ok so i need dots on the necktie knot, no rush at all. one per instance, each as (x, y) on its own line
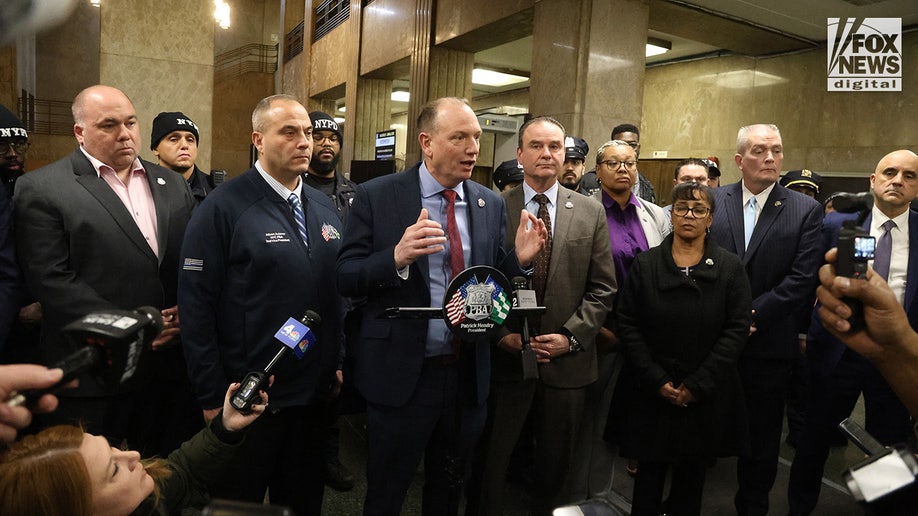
(888, 225)
(450, 195)
(542, 199)
(294, 201)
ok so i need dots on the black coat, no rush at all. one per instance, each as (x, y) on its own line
(681, 329)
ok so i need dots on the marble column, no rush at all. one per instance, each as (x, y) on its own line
(374, 113)
(449, 74)
(588, 64)
(160, 53)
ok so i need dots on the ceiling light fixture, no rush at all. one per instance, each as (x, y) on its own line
(485, 77)
(657, 46)
(222, 14)
(400, 96)
(95, 3)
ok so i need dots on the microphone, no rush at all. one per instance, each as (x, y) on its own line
(852, 202)
(110, 347)
(295, 335)
(523, 298)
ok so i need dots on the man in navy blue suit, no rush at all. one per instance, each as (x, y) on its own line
(839, 374)
(423, 398)
(775, 232)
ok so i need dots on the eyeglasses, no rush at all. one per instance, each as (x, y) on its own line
(331, 138)
(614, 164)
(696, 211)
(18, 147)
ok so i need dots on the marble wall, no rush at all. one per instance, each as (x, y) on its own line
(387, 34)
(696, 108)
(332, 57)
(161, 54)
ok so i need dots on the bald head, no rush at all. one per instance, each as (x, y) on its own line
(895, 182)
(105, 124)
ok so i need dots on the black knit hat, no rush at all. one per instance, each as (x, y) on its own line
(166, 122)
(10, 125)
(324, 122)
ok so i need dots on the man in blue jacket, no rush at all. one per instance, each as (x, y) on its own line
(260, 249)
(404, 231)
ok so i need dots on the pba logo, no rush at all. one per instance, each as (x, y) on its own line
(864, 54)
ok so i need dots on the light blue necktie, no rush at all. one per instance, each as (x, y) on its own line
(299, 216)
(749, 219)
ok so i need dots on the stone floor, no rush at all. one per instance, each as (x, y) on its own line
(719, 489)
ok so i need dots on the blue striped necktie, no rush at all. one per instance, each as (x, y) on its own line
(299, 216)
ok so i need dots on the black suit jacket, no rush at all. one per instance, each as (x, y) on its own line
(781, 262)
(80, 249)
(390, 354)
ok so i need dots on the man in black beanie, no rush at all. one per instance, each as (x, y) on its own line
(323, 168)
(174, 142)
(14, 145)
(323, 175)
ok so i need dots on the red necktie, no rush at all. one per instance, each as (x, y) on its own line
(456, 260)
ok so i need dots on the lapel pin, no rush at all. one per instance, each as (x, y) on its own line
(160, 180)
(777, 203)
(709, 262)
(480, 202)
(568, 205)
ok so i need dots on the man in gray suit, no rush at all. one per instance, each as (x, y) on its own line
(98, 230)
(576, 284)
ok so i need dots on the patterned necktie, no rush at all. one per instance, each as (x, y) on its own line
(299, 216)
(884, 250)
(749, 219)
(543, 259)
(456, 259)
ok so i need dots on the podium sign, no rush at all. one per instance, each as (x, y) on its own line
(477, 302)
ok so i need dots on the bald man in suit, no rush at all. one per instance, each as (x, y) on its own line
(578, 291)
(101, 229)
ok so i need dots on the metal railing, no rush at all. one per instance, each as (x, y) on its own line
(42, 116)
(330, 14)
(253, 57)
(293, 42)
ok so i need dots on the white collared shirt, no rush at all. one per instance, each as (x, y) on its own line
(760, 199)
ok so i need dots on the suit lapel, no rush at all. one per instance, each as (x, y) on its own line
(406, 193)
(478, 211)
(158, 187)
(562, 226)
(108, 199)
(734, 208)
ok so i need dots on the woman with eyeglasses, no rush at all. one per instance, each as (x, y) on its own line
(683, 317)
(62, 471)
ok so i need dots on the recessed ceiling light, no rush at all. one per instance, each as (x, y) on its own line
(497, 79)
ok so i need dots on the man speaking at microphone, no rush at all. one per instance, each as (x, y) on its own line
(259, 250)
(408, 235)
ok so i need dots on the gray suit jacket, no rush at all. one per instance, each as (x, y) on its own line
(80, 249)
(580, 289)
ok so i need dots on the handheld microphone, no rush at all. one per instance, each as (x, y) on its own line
(110, 347)
(523, 298)
(295, 335)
